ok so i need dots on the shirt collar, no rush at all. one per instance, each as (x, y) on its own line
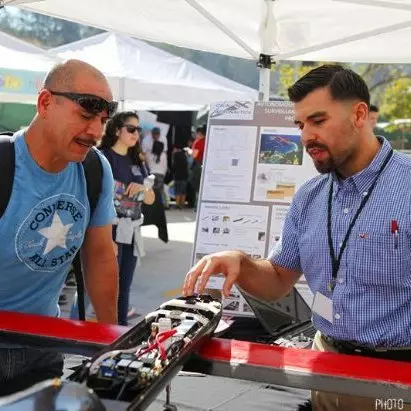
(364, 178)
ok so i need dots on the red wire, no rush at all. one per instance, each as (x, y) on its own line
(163, 336)
(160, 338)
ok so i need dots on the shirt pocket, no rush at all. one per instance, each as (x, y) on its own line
(380, 259)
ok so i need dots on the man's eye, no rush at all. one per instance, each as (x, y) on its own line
(86, 116)
(318, 122)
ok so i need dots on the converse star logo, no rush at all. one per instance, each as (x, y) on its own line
(56, 234)
(52, 233)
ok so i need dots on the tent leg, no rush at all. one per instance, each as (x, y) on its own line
(264, 65)
(264, 87)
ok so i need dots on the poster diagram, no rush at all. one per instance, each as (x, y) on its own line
(234, 304)
(282, 166)
(278, 215)
(230, 157)
(232, 227)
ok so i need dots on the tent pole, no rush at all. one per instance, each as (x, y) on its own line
(264, 66)
(266, 58)
(222, 27)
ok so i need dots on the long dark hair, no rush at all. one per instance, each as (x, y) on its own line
(157, 150)
(110, 135)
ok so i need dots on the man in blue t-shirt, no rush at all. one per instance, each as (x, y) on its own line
(48, 216)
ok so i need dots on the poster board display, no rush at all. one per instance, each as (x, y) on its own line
(253, 165)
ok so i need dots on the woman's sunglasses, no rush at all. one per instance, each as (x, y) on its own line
(132, 129)
(89, 102)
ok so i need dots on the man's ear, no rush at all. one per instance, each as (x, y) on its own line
(43, 103)
(360, 114)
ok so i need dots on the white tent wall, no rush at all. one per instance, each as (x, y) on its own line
(138, 71)
(319, 30)
(22, 69)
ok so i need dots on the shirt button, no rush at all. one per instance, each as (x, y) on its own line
(365, 193)
(340, 280)
(340, 244)
(337, 316)
(346, 210)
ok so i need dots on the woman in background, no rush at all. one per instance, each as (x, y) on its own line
(180, 174)
(121, 146)
(157, 164)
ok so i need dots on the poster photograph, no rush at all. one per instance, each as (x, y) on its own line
(282, 166)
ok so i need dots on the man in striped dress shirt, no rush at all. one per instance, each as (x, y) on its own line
(348, 230)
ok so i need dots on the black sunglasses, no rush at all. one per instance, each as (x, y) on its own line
(89, 102)
(132, 129)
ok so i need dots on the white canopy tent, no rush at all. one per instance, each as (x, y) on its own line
(147, 78)
(281, 29)
(22, 69)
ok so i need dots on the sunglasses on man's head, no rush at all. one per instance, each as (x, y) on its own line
(132, 129)
(89, 102)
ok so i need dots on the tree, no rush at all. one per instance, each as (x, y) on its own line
(42, 30)
(396, 108)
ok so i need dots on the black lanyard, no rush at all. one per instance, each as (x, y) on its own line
(336, 261)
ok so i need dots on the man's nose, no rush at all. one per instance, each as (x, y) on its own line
(95, 128)
(306, 135)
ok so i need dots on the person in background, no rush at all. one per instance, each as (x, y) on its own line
(373, 115)
(190, 193)
(157, 164)
(120, 145)
(148, 141)
(198, 155)
(180, 174)
(189, 151)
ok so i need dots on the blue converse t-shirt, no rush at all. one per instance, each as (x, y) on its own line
(42, 229)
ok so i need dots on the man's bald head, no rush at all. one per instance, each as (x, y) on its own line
(65, 76)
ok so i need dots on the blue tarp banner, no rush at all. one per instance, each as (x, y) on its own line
(20, 81)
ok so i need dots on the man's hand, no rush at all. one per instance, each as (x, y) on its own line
(226, 262)
(260, 278)
(133, 189)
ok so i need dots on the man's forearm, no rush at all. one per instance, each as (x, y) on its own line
(261, 279)
(101, 278)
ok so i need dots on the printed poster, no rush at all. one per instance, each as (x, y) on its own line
(282, 166)
(230, 157)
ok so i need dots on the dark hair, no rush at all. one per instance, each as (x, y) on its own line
(158, 148)
(202, 130)
(344, 84)
(179, 145)
(155, 131)
(110, 135)
(374, 108)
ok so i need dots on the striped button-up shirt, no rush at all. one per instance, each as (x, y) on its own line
(372, 297)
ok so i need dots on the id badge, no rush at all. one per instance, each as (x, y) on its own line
(323, 306)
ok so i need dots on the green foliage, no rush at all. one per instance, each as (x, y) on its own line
(289, 72)
(397, 99)
(42, 30)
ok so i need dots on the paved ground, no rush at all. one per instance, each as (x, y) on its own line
(159, 278)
